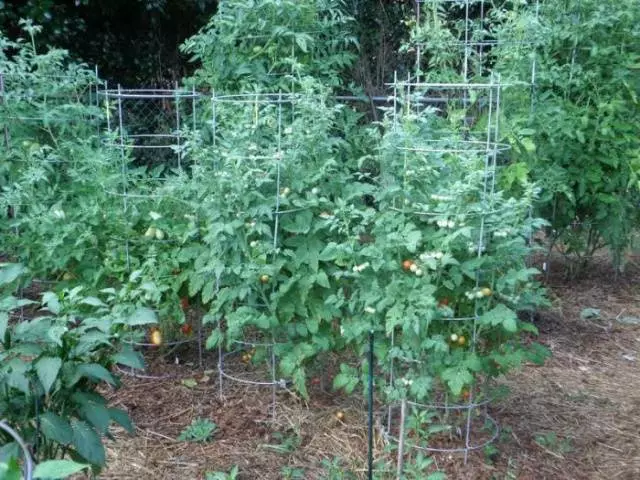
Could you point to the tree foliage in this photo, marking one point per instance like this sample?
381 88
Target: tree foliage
577 129
131 42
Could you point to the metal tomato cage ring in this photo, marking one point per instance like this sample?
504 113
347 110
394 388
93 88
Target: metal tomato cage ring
468 445
457 146
246 377
28 466
241 346
142 376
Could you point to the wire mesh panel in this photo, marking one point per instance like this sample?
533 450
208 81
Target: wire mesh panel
150 122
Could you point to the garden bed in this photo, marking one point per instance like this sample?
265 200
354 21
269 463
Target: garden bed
577 417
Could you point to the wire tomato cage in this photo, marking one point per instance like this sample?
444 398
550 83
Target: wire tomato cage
258 141
440 167
151 128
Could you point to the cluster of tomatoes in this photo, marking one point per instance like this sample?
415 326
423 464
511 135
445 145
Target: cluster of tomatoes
155 335
411 266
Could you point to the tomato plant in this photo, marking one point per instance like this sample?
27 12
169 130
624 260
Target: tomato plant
434 206
272 44
289 219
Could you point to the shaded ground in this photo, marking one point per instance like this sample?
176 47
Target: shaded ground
577 417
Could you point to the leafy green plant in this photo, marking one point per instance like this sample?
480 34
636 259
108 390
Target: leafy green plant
334 469
10 468
232 475
427 264
200 431
57 215
552 442
575 128
290 222
292 473
288 442
272 44
53 363
419 466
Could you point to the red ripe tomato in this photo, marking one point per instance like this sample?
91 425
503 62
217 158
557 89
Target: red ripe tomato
186 329
184 303
443 302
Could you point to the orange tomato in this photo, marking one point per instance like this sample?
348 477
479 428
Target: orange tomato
156 337
406 265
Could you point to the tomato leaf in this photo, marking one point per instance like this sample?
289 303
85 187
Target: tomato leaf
456 378
322 279
500 315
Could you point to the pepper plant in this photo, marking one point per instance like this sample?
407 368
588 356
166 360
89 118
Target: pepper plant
54 358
